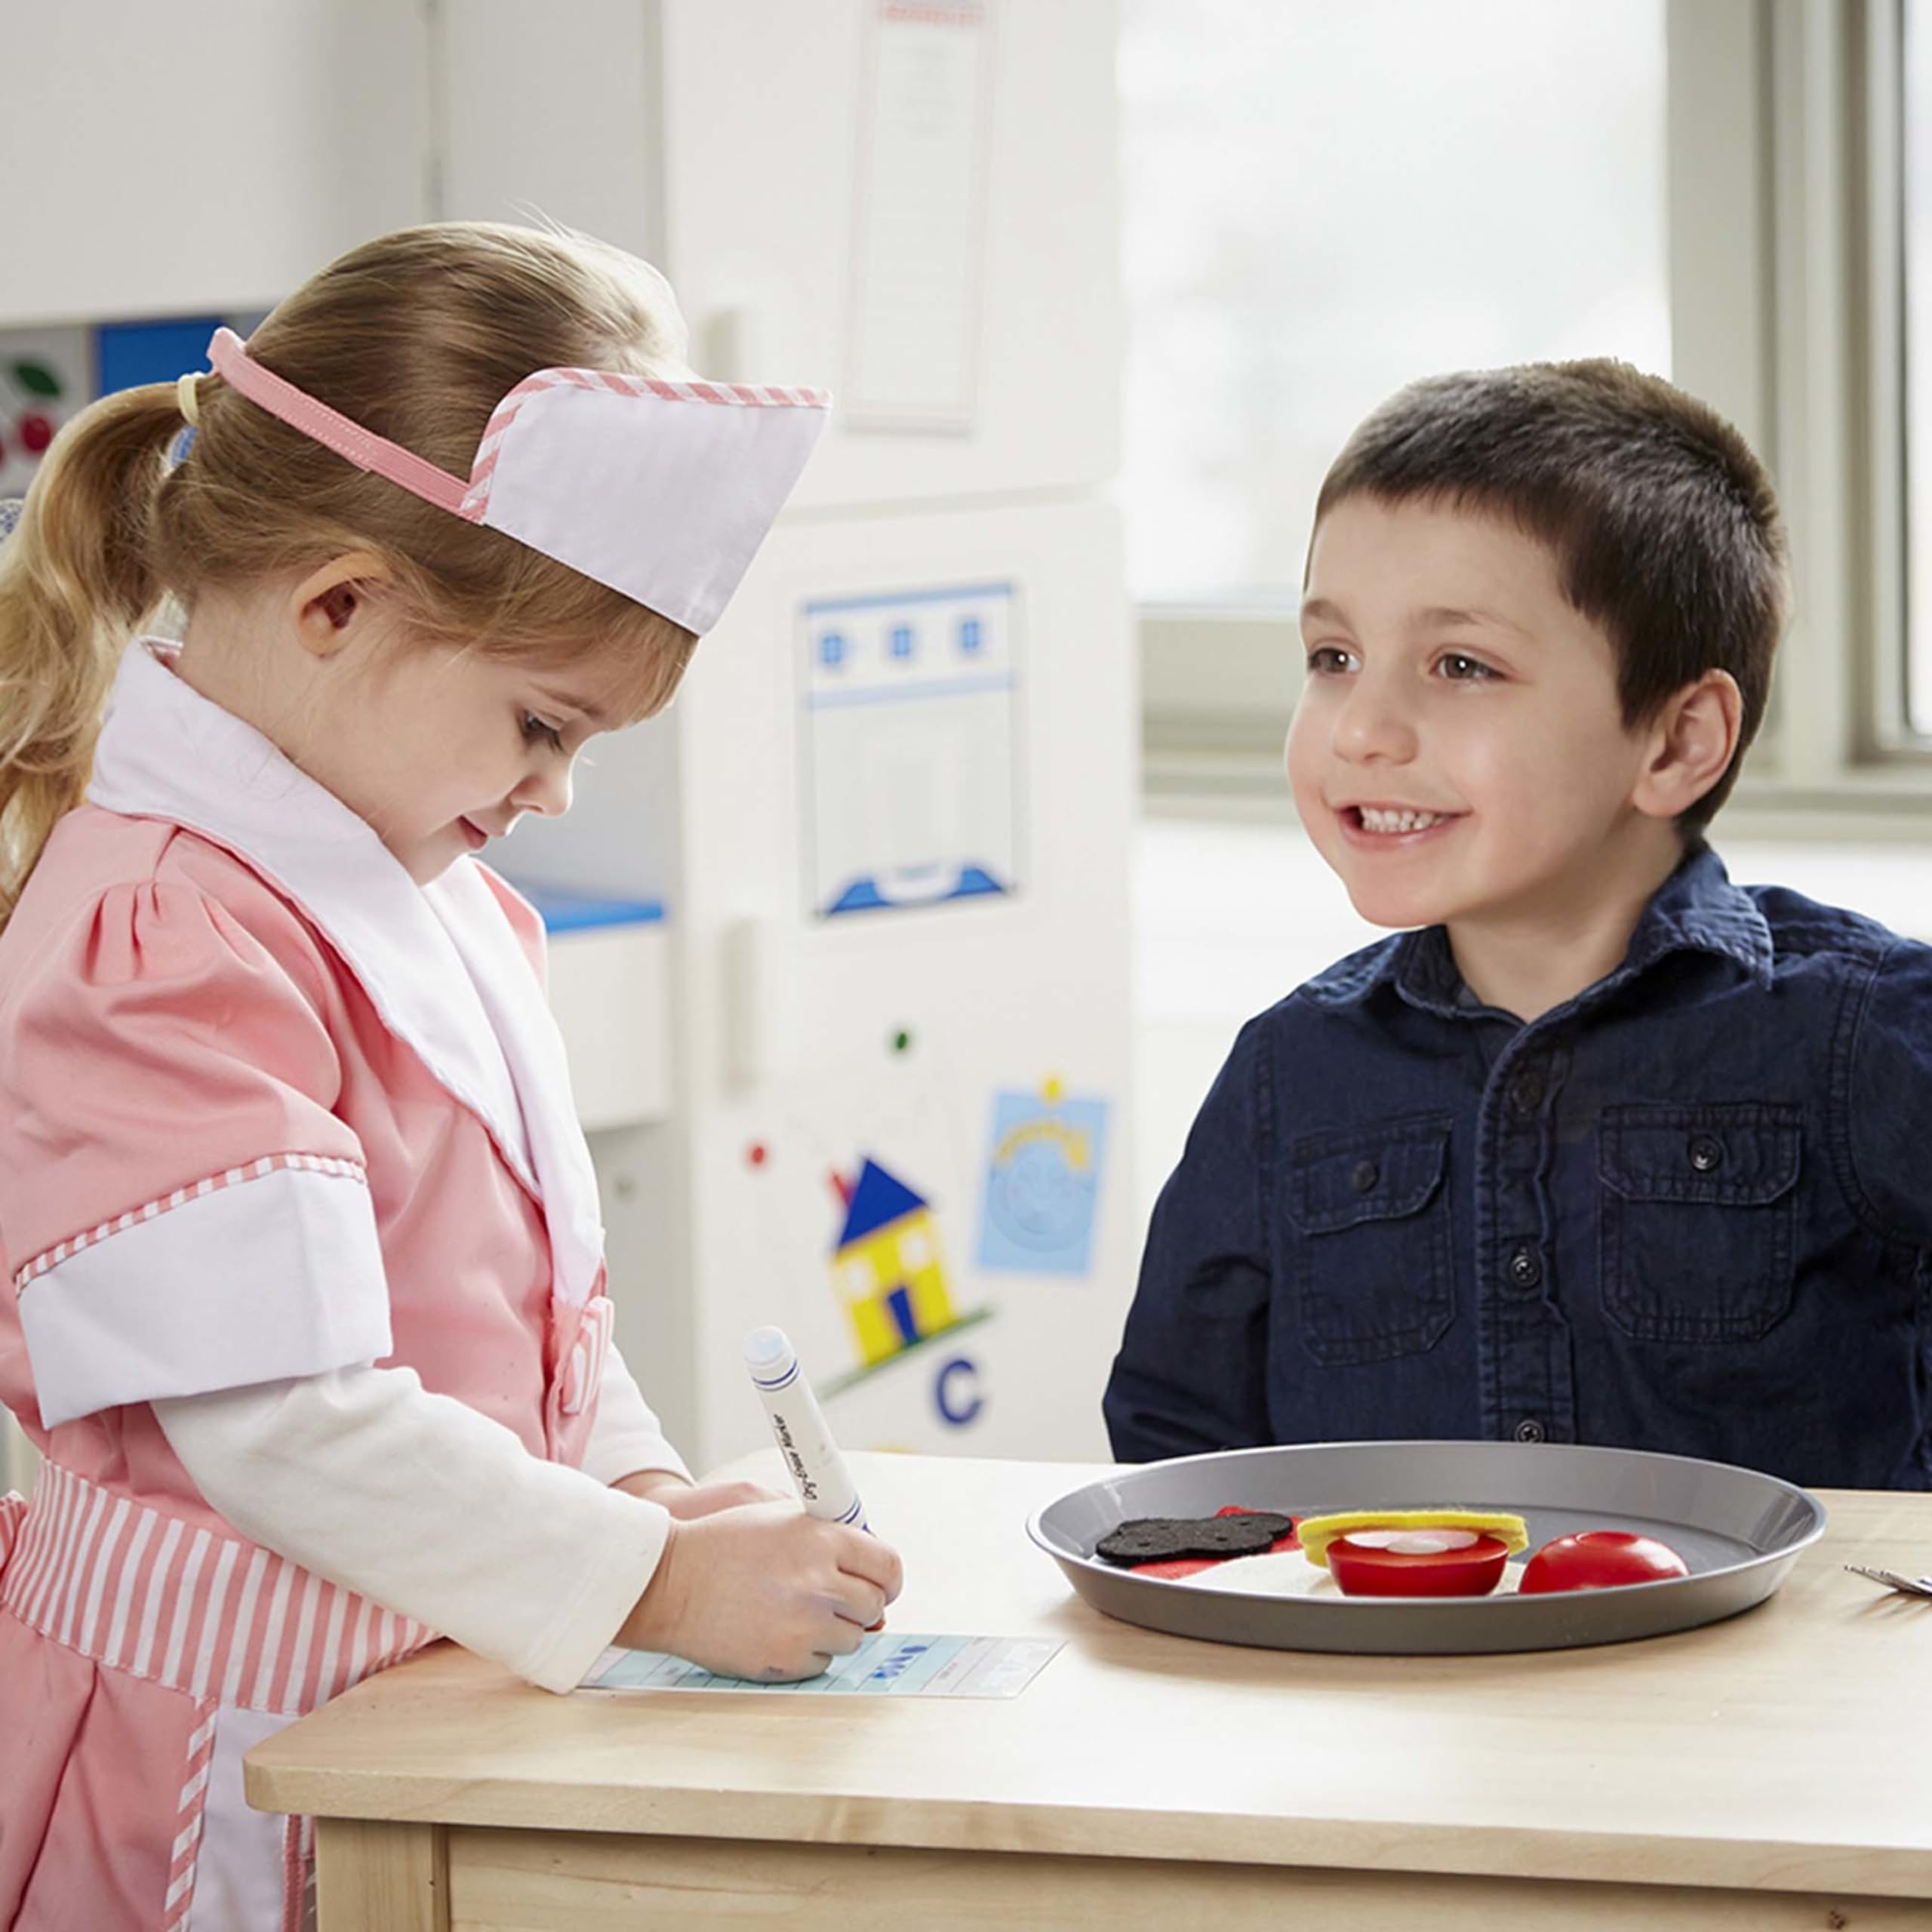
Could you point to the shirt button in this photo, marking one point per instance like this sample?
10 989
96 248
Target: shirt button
1705 1153
1525 1267
1527 1090
1529 1430
1365 1177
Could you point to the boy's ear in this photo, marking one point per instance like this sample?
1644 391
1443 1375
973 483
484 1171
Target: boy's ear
1690 745
326 605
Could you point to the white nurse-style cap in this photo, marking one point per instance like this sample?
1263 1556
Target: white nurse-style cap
661 490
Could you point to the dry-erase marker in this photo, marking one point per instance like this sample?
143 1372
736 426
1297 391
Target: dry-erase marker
798 1425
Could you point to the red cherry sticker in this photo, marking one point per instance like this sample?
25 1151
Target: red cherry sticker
36 432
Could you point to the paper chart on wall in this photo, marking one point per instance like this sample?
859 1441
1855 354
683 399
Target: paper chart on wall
922 213
911 754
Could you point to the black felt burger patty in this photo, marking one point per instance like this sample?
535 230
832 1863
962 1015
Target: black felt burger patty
1159 1539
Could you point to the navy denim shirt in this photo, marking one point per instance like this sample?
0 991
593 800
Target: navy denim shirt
1689 1210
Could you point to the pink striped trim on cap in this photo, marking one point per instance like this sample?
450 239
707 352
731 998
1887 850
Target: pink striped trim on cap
229 357
179 1604
324 1164
737 395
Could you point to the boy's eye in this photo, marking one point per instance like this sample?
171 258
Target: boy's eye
534 727
1326 660
1459 668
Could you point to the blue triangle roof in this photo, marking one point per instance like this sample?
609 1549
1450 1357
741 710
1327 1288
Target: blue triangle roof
876 1199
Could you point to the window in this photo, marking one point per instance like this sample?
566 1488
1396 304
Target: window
1324 201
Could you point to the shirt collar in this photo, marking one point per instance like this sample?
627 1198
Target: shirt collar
166 752
1696 910
439 962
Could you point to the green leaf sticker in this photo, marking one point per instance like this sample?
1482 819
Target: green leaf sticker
37 379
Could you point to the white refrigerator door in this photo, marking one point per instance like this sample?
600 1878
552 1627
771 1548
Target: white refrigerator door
957 1051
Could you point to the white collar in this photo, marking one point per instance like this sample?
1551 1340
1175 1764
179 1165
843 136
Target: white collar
439 962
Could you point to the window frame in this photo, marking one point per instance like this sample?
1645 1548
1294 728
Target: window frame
1784 150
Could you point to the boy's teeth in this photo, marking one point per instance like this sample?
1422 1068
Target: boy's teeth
1373 820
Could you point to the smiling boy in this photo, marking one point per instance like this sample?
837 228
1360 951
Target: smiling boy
1605 1149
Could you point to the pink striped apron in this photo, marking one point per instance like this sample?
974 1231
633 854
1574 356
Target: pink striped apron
199 1643
205 1632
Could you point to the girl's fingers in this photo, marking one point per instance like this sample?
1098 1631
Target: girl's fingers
860 1555
855 1602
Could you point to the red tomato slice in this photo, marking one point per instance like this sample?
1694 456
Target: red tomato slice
1599 1559
1365 1570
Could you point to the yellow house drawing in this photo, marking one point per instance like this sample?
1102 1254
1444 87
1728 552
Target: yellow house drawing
887 1266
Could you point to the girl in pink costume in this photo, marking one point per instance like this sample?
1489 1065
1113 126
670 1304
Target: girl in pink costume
301 1287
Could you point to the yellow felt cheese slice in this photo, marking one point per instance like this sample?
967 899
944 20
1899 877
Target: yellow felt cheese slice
1317 1533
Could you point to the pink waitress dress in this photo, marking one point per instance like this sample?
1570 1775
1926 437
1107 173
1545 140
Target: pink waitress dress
268 1110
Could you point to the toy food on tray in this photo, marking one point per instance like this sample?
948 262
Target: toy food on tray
1233 1532
1414 1553
1258 1532
1599 1559
1436 1552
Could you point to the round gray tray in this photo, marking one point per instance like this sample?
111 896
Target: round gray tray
1740 1533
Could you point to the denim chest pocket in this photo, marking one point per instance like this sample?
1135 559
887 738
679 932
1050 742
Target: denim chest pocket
1699 1218
1372 1271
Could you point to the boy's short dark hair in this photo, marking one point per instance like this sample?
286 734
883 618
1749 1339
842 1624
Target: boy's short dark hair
1664 526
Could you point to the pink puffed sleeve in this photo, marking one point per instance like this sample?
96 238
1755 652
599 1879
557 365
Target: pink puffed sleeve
181 1210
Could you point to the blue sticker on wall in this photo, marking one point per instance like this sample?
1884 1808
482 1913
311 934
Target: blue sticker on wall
1043 1182
128 354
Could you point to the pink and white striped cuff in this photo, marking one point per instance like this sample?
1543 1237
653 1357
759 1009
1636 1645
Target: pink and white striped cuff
325 1163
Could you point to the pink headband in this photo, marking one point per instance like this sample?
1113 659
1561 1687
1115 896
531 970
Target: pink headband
662 490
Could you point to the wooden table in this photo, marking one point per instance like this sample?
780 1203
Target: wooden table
1771 1772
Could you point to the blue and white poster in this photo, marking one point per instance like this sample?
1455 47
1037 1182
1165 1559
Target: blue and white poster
1043 1182
910 764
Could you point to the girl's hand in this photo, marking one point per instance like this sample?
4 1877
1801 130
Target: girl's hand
763 1592
688 1501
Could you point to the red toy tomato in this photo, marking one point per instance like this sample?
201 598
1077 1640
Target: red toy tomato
1599 1559
1416 1563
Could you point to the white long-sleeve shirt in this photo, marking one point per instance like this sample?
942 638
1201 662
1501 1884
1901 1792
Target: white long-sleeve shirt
434 1510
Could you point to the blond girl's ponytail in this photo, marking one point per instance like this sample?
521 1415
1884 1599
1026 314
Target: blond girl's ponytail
76 581
417 336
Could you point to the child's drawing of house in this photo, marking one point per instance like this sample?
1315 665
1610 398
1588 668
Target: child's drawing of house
887 1267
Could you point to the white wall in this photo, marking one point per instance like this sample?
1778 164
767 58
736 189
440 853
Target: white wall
202 157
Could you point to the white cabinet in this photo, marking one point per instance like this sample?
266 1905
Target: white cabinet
809 1044
204 156
770 112
725 140
610 992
